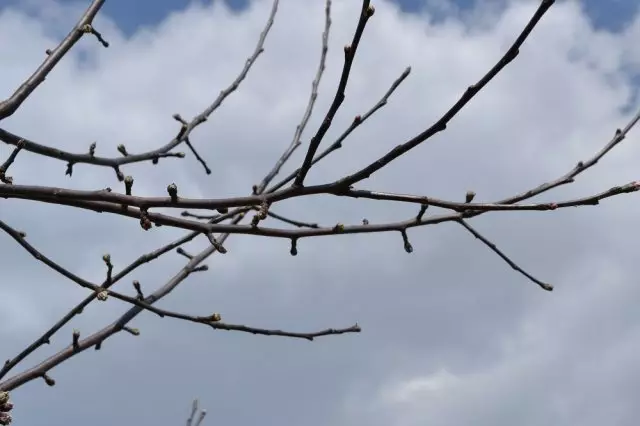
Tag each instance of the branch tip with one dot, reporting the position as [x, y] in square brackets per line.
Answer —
[405, 239]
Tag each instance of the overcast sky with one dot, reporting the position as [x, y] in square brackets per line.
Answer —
[451, 334]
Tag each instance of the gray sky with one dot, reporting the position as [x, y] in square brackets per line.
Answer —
[451, 335]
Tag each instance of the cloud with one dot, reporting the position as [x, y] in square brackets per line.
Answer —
[451, 334]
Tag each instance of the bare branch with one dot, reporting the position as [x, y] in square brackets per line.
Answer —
[349, 54]
[497, 251]
[153, 155]
[194, 411]
[295, 143]
[11, 105]
[231, 212]
[441, 124]
[5, 166]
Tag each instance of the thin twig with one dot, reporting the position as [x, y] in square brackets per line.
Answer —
[349, 55]
[469, 94]
[163, 151]
[506, 258]
[11, 105]
[295, 143]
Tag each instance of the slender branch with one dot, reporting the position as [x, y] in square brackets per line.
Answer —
[591, 200]
[265, 332]
[44, 338]
[192, 416]
[137, 207]
[357, 121]
[469, 94]
[198, 157]
[20, 238]
[349, 54]
[497, 251]
[293, 222]
[145, 258]
[295, 143]
[163, 151]
[11, 105]
[97, 338]
[5, 166]
[120, 208]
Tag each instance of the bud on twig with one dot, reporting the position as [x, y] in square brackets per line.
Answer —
[173, 192]
[370, 11]
[76, 339]
[48, 380]
[469, 196]
[128, 184]
[102, 295]
[132, 331]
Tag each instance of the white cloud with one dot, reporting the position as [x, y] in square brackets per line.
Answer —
[452, 335]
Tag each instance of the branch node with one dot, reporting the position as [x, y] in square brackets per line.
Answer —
[102, 294]
[263, 211]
